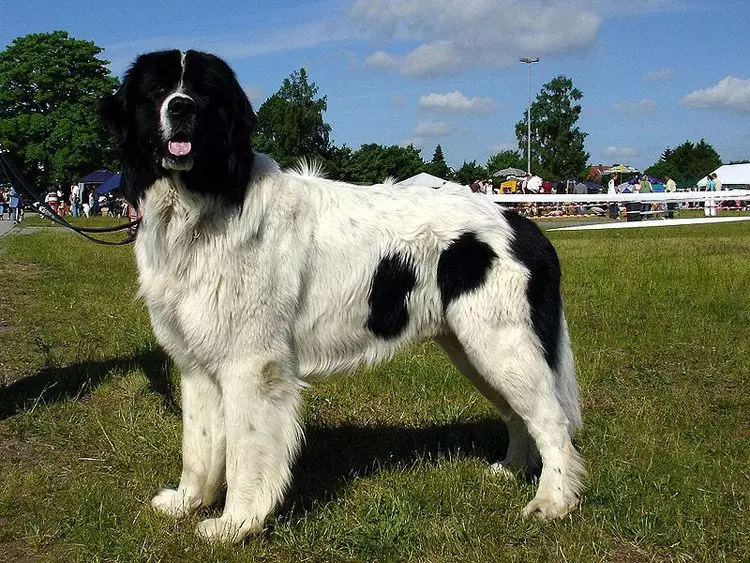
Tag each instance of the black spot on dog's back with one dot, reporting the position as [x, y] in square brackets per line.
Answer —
[530, 247]
[392, 282]
[463, 267]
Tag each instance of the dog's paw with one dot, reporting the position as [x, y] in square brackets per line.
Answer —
[227, 530]
[175, 503]
[548, 508]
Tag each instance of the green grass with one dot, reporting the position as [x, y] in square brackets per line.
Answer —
[394, 465]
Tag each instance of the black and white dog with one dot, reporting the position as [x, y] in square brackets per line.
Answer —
[257, 279]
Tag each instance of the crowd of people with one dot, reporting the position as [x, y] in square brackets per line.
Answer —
[533, 184]
[77, 201]
[644, 185]
[529, 184]
[80, 202]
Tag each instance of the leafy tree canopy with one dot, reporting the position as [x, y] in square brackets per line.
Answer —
[50, 87]
[687, 163]
[374, 163]
[469, 172]
[290, 123]
[556, 143]
[437, 166]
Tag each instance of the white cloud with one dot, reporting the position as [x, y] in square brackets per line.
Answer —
[659, 75]
[481, 33]
[645, 105]
[425, 61]
[730, 93]
[620, 152]
[383, 61]
[430, 128]
[455, 102]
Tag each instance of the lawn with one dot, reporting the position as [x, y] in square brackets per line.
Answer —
[394, 464]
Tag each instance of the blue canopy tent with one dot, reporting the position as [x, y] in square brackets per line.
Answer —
[112, 183]
[95, 179]
[97, 176]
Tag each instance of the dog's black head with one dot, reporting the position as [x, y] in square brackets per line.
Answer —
[182, 113]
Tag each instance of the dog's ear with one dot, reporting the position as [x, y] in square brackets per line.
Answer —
[136, 169]
[245, 120]
[112, 113]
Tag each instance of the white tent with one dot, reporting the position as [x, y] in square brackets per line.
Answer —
[732, 176]
[427, 180]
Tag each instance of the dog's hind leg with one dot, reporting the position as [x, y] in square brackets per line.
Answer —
[261, 402]
[521, 455]
[203, 446]
[509, 361]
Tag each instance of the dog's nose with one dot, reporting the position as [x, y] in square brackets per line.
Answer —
[181, 107]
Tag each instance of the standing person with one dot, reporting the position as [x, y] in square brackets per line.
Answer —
[709, 208]
[52, 200]
[718, 186]
[632, 208]
[86, 203]
[534, 185]
[646, 189]
[525, 183]
[614, 208]
[75, 200]
[670, 188]
[16, 205]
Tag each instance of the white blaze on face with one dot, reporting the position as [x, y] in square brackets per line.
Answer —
[167, 128]
[175, 148]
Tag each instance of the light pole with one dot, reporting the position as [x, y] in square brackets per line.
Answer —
[528, 61]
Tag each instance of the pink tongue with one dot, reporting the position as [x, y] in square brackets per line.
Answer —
[179, 149]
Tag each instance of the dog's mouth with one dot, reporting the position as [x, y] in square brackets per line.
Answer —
[179, 148]
[178, 153]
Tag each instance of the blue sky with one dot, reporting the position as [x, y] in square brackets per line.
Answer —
[654, 73]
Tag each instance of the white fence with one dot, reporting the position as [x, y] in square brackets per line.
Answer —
[593, 199]
[631, 206]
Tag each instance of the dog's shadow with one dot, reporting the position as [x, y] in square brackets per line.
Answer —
[57, 383]
[331, 457]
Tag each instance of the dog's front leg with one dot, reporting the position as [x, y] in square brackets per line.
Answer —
[203, 446]
[261, 400]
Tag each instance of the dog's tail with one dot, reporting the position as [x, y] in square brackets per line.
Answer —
[566, 384]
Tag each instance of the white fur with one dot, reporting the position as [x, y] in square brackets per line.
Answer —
[252, 303]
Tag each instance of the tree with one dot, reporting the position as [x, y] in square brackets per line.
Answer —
[469, 172]
[50, 87]
[290, 123]
[437, 166]
[505, 159]
[687, 163]
[374, 163]
[338, 162]
[556, 143]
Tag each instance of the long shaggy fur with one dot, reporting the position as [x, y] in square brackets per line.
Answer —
[257, 280]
